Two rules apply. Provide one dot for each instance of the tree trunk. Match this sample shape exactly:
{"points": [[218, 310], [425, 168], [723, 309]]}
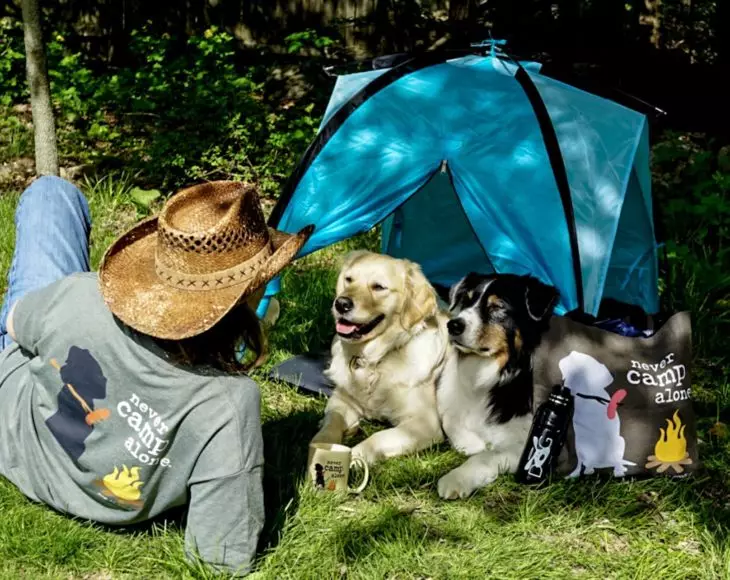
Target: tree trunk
{"points": [[459, 10], [462, 22], [46, 155]]}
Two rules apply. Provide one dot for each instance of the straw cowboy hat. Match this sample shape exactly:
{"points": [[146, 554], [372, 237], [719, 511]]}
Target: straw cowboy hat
{"points": [[177, 274]]}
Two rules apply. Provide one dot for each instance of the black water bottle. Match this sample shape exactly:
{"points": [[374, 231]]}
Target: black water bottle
{"points": [[547, 437]]}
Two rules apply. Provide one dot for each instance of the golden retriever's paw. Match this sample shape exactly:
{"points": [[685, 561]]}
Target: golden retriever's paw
{"points": [[326, 437], [366, 452], [455, 485]]}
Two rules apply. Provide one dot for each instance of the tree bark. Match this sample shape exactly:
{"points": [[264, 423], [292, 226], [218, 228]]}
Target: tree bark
{"points": [[462, 21], [459, 10], [46, 154]]}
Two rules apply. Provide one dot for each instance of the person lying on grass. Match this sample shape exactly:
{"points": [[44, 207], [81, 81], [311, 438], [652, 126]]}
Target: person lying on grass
{"points": [[120, 393]]}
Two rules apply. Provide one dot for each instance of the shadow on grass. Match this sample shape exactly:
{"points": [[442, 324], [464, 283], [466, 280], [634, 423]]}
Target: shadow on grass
{"points": [[173, 519], [360, 539], [286, 441]]}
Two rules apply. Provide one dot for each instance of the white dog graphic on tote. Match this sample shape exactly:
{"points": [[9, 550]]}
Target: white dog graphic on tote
{"points": [[598, 442]]}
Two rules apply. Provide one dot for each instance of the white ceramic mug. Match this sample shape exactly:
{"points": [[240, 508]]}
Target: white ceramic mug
{"points": [[329, 467]]}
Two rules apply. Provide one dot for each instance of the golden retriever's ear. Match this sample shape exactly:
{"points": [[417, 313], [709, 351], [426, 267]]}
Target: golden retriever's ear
{"points": [[420, 302]]}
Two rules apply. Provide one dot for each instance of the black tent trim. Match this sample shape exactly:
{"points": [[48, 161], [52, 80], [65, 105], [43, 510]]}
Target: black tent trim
{"points": [[561, 175], [338, 119], [417, 63]]}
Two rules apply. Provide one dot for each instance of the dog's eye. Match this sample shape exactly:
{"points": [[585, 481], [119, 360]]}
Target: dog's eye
{"points": [[348, 279], [378, 287]]}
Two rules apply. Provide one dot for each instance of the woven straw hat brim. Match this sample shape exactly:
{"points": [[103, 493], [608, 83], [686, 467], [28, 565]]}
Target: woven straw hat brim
{"points": [[138, 297]]}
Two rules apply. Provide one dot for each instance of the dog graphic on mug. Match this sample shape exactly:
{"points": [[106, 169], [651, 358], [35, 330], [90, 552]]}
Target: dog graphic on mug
{"points": [[328, 483], [319, 475]]}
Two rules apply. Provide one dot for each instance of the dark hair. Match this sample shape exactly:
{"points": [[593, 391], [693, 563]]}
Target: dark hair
{"points": [[217, 346]]}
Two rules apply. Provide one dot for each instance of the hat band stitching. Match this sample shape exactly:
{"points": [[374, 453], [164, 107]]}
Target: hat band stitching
{"points": [[238, 274]]}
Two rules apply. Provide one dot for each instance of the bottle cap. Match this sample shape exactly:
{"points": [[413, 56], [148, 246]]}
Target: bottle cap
{"points": [[561, 394]]}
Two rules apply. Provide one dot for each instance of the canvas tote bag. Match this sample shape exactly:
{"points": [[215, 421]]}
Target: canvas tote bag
{"points": [[633, 413]]}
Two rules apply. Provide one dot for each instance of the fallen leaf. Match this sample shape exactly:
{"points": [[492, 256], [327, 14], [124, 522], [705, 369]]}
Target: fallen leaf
{"points": [[689, 547], [720, 430], [144, 197], [648, 498], [613, 544]]}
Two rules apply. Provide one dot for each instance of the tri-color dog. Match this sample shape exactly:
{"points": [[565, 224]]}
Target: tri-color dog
{"points": [[485, 391]]}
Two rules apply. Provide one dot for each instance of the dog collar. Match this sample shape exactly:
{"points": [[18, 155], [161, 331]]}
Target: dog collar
{"points": [[593, 397]]}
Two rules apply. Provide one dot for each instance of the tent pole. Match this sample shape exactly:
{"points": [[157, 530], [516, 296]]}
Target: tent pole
{"points": [[558, 166]]}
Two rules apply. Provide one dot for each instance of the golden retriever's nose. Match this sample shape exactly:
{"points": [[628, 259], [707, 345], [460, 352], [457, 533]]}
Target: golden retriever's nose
{"points": [[343, 304], [456, 326]]}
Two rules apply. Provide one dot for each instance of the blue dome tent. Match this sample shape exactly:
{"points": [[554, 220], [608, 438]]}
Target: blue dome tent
{"points": [[482, 163]]}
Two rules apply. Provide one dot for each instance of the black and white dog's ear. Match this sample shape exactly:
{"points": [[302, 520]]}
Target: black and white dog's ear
{"points": [[455, 293], [466, 284], [540, 299], [458, 289]]}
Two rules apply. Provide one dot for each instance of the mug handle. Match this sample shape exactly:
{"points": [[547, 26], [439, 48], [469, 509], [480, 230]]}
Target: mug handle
{"points": [[361, 462]]}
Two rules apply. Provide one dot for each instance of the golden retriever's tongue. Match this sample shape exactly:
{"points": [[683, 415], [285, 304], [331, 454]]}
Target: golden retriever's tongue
{"points": [[345, 327]]}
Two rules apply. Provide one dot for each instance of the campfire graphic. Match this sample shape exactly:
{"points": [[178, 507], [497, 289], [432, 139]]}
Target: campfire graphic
{"points": [[123, 486], [671, 448]]}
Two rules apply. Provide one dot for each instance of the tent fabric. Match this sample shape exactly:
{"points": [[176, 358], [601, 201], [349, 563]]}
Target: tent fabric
{"points": [[451, 159]]}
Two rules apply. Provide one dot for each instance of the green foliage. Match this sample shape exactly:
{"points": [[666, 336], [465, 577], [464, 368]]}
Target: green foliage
{"points": [[692, 192], [12, 61], [144, 199], [113, 209], [181, 110], [307, 39], [15, 134]]}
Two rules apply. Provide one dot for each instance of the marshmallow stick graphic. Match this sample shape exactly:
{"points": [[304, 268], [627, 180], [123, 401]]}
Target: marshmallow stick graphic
{"points": [[92, 415]]}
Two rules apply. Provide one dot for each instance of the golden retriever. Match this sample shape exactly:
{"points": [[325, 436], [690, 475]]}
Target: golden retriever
{"points": [[387, 354]]}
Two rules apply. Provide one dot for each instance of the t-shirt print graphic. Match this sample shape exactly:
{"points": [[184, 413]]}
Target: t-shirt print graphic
{"points": [[83, 382]]}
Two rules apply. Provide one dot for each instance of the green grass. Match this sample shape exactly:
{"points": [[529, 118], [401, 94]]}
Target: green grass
{"points": [[398, 527]]}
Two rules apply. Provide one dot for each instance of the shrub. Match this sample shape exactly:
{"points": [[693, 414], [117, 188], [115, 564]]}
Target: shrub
{"points": [[180, 111], [12, 62], [692, 192]]}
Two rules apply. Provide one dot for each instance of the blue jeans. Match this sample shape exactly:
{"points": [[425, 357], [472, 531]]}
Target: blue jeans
{"points": [[52, 226]]}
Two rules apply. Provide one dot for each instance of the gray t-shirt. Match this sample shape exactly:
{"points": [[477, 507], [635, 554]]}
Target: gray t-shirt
{"points": [[96, 422]]}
